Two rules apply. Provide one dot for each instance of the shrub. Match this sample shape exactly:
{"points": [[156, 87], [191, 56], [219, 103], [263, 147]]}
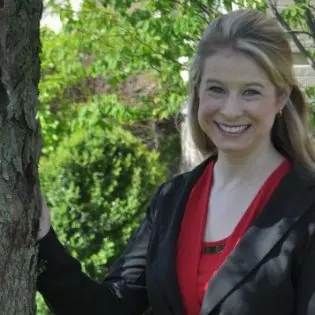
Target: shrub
{"points": [[98, 184]]}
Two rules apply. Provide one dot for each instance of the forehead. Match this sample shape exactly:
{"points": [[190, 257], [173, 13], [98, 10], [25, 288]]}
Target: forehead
{"points": [[234, 68]]}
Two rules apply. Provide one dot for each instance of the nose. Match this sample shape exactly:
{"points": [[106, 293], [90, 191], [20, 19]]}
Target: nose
{"points": [[232, 106]]}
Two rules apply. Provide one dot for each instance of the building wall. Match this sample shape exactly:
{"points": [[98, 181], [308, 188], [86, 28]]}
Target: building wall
{"points": [[303, 71]]}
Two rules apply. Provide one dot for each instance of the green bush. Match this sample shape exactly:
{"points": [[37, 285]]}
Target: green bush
{"points": [[41, 308], [98, 184]]}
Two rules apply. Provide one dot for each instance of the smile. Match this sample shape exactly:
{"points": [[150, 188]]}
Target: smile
{"points": [[236, 129]]}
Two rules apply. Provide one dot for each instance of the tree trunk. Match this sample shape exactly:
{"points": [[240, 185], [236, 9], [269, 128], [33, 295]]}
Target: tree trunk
{"points": [[19, 153]]}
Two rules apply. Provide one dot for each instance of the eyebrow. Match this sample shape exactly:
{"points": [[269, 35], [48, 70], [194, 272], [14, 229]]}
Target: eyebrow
{"points": [[246, 84]]}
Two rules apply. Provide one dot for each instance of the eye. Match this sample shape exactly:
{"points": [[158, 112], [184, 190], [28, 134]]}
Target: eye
{"points": [[251, 92], [215, 89]]}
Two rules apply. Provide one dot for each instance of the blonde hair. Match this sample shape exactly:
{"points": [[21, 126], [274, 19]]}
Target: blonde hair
{"points": [[260, 37]]}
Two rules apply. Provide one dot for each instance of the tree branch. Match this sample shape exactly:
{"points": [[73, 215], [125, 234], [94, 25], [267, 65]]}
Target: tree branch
{"points": [[309, 18], [203, 8], [294, 37], [302, 33]]}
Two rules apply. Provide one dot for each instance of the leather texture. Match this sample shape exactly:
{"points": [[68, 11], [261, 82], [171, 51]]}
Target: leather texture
{"points": [[271, 270]]}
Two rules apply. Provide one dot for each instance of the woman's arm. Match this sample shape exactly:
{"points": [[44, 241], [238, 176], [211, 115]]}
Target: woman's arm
{"points": [[67, 290]]}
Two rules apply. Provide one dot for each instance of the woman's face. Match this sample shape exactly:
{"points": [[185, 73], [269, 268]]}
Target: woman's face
{"points": [[238, 102]]}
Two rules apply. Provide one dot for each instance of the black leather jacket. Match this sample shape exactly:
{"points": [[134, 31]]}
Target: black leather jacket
{"points": [[271, 271]]}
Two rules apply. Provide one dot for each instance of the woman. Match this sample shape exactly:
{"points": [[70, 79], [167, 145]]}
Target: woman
{"points": [[236, 234]]}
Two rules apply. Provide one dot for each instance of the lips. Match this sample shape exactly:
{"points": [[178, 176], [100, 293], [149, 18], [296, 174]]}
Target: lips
{"points": [[233, 129]]}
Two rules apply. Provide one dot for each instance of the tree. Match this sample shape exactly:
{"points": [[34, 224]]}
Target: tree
{"points": [[138, 51], [298, 21], [125, 59], [19, 153], [134, 54]]}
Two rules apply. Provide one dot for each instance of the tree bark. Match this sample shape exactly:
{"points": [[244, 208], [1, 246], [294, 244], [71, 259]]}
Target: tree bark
{"points": [[19, 153]]}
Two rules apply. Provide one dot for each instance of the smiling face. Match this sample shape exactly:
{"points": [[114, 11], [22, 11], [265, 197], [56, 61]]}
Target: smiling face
{"points": [[238, 102]]}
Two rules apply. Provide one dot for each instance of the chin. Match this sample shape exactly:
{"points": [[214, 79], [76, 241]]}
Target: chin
{"points": [[238, 144], [233, 147]]}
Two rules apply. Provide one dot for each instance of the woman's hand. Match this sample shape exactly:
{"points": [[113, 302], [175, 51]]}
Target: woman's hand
{"points": [[44, 221]]}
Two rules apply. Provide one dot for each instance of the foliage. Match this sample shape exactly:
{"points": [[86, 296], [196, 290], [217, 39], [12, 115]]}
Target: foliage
{"points": [[122, 64], [108, 42], [299, 21], [41, 308], [97, 184], [104, 45]]}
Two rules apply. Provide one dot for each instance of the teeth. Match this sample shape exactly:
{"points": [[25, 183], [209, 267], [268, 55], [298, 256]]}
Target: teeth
{"points": [[234, 129]]}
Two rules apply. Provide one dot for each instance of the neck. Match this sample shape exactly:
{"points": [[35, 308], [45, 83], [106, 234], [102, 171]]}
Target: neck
{"points": [[234, 167]]}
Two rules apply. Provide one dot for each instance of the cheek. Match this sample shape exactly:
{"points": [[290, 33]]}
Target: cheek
{"points": [[206, 108], [261, 110], [204, 114], [263, 114]]}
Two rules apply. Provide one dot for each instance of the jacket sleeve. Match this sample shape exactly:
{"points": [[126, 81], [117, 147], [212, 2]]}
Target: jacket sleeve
{"points": [[305, 297], [67, 290]]}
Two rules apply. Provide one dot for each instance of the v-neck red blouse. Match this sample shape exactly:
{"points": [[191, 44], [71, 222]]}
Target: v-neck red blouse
{"points": [[196, 268]]}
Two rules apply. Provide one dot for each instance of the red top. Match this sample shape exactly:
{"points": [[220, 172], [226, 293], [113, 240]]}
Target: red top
{"points": [[196, 268]]}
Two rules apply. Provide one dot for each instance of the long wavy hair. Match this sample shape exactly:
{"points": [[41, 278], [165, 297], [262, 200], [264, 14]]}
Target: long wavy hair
{"points": [[260, 37]]}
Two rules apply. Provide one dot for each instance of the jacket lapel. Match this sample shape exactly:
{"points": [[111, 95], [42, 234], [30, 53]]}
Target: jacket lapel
{"points": [[169, 222], [290, 200]]}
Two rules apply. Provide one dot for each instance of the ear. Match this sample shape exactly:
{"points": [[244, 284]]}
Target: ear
{"points": [[283, 98]]}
